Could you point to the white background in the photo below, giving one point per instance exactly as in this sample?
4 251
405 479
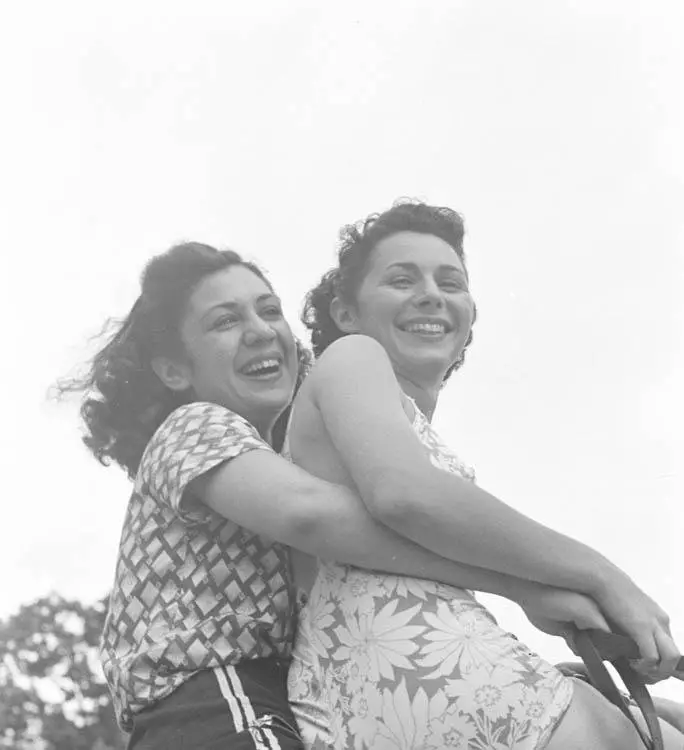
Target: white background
555 127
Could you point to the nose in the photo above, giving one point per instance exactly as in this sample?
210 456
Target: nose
258 331
429 295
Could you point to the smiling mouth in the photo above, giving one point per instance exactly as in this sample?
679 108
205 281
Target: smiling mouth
263 368
424 329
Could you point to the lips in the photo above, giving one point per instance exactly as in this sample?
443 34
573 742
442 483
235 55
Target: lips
264 364
427 326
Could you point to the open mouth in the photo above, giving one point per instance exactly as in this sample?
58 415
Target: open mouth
268 367
427 329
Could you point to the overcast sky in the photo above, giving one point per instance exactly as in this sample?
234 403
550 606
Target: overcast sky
554 127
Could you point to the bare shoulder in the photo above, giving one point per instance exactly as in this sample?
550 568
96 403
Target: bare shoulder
352 358
353 348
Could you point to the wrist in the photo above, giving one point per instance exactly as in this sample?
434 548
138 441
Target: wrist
520 590
599 579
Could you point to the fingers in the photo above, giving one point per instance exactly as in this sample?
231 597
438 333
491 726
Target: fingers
664 664
588 616
648 649
669 653
591 618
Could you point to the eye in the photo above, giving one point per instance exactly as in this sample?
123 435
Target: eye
225 321
272 311
401 282
453 285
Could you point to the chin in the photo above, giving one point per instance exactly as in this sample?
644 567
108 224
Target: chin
424 364
276 402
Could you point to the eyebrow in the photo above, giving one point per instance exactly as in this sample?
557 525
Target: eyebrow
237 305
414 267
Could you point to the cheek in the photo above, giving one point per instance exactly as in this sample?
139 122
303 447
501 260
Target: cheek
287 339
381 312
472 310
465 307
216 362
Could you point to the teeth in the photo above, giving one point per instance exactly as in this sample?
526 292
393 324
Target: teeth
426 328
265 364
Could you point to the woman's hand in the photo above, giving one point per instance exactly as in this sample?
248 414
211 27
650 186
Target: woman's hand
632 612
554 611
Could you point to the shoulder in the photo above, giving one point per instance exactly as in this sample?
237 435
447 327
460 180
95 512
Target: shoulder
349 353
200 429
191 441
354 367
205 418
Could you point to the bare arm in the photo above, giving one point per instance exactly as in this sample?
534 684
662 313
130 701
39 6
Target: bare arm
356 391
269 495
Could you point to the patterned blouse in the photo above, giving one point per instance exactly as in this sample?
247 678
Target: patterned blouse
192 590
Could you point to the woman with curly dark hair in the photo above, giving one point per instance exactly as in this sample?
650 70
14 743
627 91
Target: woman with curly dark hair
187 397
398 662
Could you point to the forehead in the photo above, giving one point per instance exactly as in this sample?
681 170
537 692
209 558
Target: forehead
233 285
423 250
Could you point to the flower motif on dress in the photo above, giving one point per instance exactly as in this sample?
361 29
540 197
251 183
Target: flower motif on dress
315 621
299 679
329 578
531 702
458 639
365 706
485 690
406 587
339 730
404 721
379 641
333 685
364 589
441 456
353 676
451 730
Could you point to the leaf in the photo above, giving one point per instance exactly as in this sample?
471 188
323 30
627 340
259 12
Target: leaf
48 656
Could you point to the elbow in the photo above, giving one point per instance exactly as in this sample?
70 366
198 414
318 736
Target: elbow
390 503
302 527
307 526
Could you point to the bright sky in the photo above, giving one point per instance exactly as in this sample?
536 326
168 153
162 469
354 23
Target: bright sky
556 128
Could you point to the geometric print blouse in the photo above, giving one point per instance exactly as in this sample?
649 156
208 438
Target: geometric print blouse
192 589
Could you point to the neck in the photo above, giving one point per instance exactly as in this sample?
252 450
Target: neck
264 426
424 395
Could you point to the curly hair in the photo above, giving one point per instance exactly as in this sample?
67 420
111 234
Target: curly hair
124 402
357 242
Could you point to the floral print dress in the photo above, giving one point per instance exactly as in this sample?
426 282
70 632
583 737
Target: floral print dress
384 662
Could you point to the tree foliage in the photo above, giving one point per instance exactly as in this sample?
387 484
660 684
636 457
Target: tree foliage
52 692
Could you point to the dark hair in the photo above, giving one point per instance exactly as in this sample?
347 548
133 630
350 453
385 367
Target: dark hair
124 401
357 241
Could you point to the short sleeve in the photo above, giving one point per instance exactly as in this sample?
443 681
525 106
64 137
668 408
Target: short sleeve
193 439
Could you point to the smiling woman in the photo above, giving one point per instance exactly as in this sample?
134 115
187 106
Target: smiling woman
237 347
401 662
193 382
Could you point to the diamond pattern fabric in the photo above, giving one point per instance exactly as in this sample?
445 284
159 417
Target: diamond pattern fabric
192 589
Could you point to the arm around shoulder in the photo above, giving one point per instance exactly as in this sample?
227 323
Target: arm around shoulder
268 495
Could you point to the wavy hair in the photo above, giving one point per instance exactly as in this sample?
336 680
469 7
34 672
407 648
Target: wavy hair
124 402
357 242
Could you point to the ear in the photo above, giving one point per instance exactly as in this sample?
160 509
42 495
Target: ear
344 316
174 375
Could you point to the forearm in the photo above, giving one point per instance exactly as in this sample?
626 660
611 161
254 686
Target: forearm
345 532
463 522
